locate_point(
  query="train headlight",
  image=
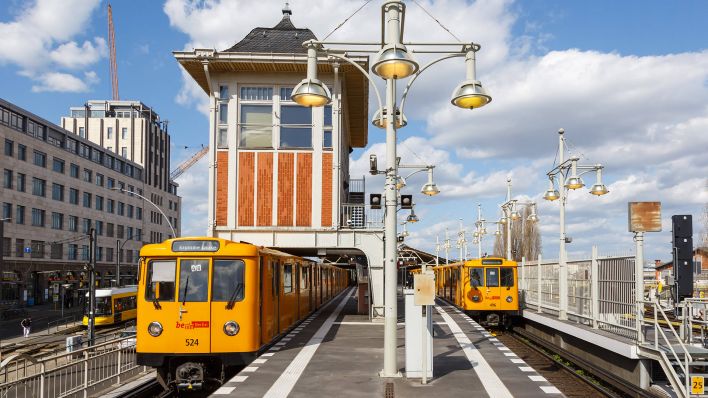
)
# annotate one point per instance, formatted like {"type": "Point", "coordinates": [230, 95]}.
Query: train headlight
{"type": "Point", "coordinates": [475, 299]}
{"type": "Point", "coordinates": [155, 329]}
{"type": "Point", "coordinates": [231, 328]}
{"type": "Point", "coordinates": [509, 299]}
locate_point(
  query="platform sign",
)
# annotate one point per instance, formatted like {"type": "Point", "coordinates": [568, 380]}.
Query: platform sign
{"type": "Point", "coordinates": [644, 216]}
{"type": "Point", "coordinates": [697, 386]}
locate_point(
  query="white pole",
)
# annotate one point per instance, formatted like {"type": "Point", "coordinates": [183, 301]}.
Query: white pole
{"type": "Point", "coordinates": [507, 213]}
{"type": "Point", "coordinates": [563, 270]}
{"type": "Point", "coordinates": [639, 282]}
{"type": "Point", "coordinates": [480, 227]}
{"type": "Point", "coordinates": [595, 288]}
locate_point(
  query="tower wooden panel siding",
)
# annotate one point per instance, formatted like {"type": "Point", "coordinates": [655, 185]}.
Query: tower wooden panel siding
{"type": "Point", "coordinates": [286, 171]}
{"type": "Point", "coordinates": [246, 163]}
{"type": "Point", "coordinates": [304, 190]}
{"type": "Point", "coordinates": [264, 192]}
{"type": "Point", "coordinates": [222, 187]}
{"type": "Point", "coordinates": [327, 189]}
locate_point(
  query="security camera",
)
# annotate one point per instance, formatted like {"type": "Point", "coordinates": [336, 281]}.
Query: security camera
{"type": "Point", "coordinates": [568, 239]}
{"type": "Point", "coordinates": [373, 165]}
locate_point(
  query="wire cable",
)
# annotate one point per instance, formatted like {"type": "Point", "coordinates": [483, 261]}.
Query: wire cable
{"type": "Point", "coordinates": [346, 19]}
{"type": "Point", "coordinates": [436, 20]}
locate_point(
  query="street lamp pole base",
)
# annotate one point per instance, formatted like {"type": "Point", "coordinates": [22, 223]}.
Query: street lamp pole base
{"type": "Point", "coordinates": [397, 375]}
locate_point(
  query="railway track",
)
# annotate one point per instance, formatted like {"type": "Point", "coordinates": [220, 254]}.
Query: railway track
{"type": "Point", "coordinates": [570, 381]}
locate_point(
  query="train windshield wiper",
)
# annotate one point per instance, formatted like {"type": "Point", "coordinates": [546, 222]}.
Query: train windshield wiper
{"type": "Point", "coordinates": [232, 300]}
{"type": "Point", "coordinates": [156, 303]}
{"type": "Point", "coordinates": [184, 292]}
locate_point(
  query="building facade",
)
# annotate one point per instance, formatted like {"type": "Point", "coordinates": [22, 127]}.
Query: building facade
{"type": "Point", "coordinates": [56, 187]}
{"type": "Point", "coordinates": [129, 129]}
{"type": "Point", "coordinates": [279, 172]}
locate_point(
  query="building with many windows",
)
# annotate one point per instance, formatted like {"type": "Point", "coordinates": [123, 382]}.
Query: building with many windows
{"type": "Point", "coordinates": [129, 129]}
{"type": "Point", "coordinates": [56, 187]}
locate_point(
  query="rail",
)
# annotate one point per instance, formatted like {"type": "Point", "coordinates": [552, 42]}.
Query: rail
{"type": "Point", "coordinates": [65, 321]}
{"type": "Point", "coordinates": [74, 373]}
{"type": "Point", "coordinates": [600, 291]}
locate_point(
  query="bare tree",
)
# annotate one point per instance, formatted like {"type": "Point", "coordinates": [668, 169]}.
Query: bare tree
{"type": "Point", "coordinates": [525, 239]}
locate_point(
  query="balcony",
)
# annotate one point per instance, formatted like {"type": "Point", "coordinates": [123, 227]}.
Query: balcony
{"type": "Point", "coordinates": [361, 216]}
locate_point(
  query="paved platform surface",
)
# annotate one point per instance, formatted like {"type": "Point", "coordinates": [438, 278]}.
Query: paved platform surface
{"type": "Point", "coordinates": [334, 353]}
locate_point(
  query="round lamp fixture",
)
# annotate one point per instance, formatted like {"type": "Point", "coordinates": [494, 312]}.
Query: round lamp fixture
{"type": "Point", "coordinates": [574, 183]}
{"type": "Point", "coordinates": [430, 189]}
{"type": "Point", "coordinates": [599, 189]}
{"type": "Point", "coordinates": [497, 233]}
{"type": "Point", "coordinates": [400, 182]}
{"type": "Point", "coordinates": [380, 119]}
{"type": "Point", "coordinates": [470, 95]}
{"type": "Point", "coordinates": [551, 194]}
{"type": "Point", "coordinates": [394, 62]}
{"type": "Point", "coordinates": [532, 217]}
{"type": "Point", "coordinates": [475, 234]}
{"type": "Point", "coordinates": [515, 215]}
{"type": "Point", "coordinates": [503, 221]}
{"type": "Point", "coordinates": [412, 217]}
{"type": "Point", "coordinates": [311, 92]}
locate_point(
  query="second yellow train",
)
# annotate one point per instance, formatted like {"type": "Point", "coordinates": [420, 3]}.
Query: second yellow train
{"type": "Point", "coordinates": [486, 289]}
{"type": "Point", "coordinates": [205, 304]}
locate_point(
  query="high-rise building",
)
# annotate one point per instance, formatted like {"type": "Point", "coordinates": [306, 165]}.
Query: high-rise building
{"type": "Point", "coordinates": [129, 129]}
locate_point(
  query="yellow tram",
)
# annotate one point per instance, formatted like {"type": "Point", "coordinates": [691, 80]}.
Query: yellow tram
{"type": "Point", "coordinates": [205, 304]}
{"type": "Point", "coordinates": [113, 305]}
{"type": "Point", "coordinates": [486, 288]}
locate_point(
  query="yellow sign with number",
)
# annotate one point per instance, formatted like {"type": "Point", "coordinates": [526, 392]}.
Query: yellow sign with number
{"type": "Point", "coordinates": [697, 386]}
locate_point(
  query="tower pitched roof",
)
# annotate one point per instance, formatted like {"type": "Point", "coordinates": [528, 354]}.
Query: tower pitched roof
{"type": "Point", "coordinates": [281, 38]}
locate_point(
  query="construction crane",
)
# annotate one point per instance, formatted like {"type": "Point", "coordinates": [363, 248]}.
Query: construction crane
{"type": "Point", "coordinates": [188, 163]}
{"type": "Point", "coordinates": [112, 47]}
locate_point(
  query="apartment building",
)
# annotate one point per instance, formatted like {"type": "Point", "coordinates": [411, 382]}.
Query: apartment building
{"type": "Point", "coordinates": [57, 186]}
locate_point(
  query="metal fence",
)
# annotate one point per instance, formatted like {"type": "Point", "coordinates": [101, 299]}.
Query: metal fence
{"type": "Point", "coordinates": [600, 291]}
{"type": "Point", "coordinates": [361, 216]}
{"type": "Point", "coordinates": [71, 374]}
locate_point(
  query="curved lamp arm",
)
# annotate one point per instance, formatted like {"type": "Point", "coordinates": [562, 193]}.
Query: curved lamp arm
{"type": "Point", "coordinates": [365, 73]}
{"type": "Point", "coordinates": [149, 201]}
{"type": "Point", "coordinates": [410, 82]}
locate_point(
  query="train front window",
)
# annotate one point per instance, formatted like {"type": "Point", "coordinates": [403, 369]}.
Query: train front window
{"type": "Point", "coordinates": [492, 277]}
{"type": "Point", "coordinates": [193, 280]}
{"type": "Point", "coordinates": [476, 277]}
{"type": "Point", "coordinates": [160, 281]}
{"type": "Point", "coordinates": [227, 281]}
{"type": "Point", "coordinates": [507, 277]}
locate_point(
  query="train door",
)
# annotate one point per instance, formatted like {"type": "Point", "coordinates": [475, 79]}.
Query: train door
{"type": "Point", "coordinates": [312, 291]}
{"type": "Point", "coordinates": [267, 298]}
{"type": "Point", "coordinates": [275, 269]}
{"type": "Point", "coordinates": [492, 290]}
{"type": "Point", "coordinates": [192, 330]}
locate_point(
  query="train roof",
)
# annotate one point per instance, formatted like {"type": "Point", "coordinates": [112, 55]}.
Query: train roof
{"type": "Point", "coordinates": [500, 261]}
{"type": "Point", "coordinates": [115, 290]}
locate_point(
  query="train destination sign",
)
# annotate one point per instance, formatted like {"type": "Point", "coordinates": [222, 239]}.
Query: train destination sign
{"type": "Point", "coordinates": [195, 246]}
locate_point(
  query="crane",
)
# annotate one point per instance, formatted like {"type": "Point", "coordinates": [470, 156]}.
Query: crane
{"type": "Point", "coordinates": [112, 47]}
{"type": "Point", "coordinates": [188, 163]}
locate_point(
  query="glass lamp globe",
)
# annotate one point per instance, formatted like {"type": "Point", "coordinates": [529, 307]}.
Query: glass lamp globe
{"type": "Point", "coordinates": [430, 189]}
{"type": "Point", "coordinates": [574, 183]}
{"type": "Point", "coordinates": [311, 92]}
{"type": "Point", "coordinates": [394, 62]}
{"type": "Point", "coordinates": [551, 194]}
{"type": "Point", "coordinates": [470, 95]}
{"type": "Point", "coordinates": [599, 189]}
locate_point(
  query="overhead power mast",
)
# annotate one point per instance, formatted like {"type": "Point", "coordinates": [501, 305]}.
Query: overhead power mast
{"type": "Point", "coordinates": [112, 48]}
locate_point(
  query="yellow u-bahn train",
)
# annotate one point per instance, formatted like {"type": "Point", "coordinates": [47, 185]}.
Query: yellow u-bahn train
{"type": "Point", "coordinates": [486, 289]}
{"type": "Point", "coordinates": [113, 305]}
{"type": "Point", "coordinates": [205, 304]}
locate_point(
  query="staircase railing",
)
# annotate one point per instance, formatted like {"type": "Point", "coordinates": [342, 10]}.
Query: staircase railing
{"type": "Point", "coordinates": [667, 361]}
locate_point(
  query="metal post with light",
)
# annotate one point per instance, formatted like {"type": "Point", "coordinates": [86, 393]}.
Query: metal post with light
{"type": "Point", "coordinates": [510, 210]}
{"type": "Point", "coordinates": [392, 62]}
{"type": "Point", "coordinates": [481, 230]}
{"type": "Point", "coordinates": [123, 190]}
{"type": "Point", "coordinates": [566, 172]}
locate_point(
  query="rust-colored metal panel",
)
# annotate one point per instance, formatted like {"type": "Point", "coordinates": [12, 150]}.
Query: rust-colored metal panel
{"type": "Point", "coordinates": [303, 216]}
{"type": "Point", "coordinates": [264, 196]}
{"type": "Point", "coordinates": [326, 189]}
{"type": "Point", "coordinates": [644, 216]}
{"type": "Point", "coordinates": [246, 170]}
{"type": "Point", "coordinates": [286, 170]}
{"type": "Point", "coordinates": [222, 187]}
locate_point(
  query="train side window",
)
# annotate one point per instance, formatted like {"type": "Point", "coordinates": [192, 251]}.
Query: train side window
{"type": "Point", "coordinates": [492, 277]}
{"type": "Point", "coordinates": [304, 278]}
{"type": "Point", "coordinates": [507, 277]}
{"type": "Point", "coordinates": [227, 280]}
{"type": "Point", "coordinates": [287, 278]}
{"type": "Point", "coordinates": [193, 280]}
{"type": "Point", "coordinates": [160, 280]}
{"type": "Point", "coordinates": [476, 277]}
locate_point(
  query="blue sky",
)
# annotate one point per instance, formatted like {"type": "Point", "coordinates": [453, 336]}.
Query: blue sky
{"type": "Point", "coordinates": [627, 80]}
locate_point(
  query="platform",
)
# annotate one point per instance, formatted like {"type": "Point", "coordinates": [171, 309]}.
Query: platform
{"type": "Point", "coordinates": [335, 353]}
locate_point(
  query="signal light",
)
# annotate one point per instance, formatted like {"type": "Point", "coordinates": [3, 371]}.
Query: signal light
{"type": "Point", "coordinates": [406, 201]}
{"type": "Point", "coordinates": [375, 200]}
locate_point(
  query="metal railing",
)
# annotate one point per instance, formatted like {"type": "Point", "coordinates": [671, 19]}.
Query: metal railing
{"type": "Point", "coordinates": [357, 184]}
{"type": "Point", "coordinates": [65, 321]}
{"type": "Point", "coordinates": [75, 373]}
{"type": "Point", "coordinates": [361, 216]}
{"type": "Point", "coordinates": [600, 291]}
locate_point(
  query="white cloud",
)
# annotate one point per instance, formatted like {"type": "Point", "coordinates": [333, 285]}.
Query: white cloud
{"type": "Point", "coordinates": [38, 42]}
{"type": "Point", "coordinates": [192, 189]}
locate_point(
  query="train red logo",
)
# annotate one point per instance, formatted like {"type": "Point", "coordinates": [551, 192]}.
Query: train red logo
{"type": "Point", "coordinates": [192, 325]}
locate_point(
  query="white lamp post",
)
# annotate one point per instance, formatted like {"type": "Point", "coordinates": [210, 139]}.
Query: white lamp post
{"type": "Point", "coordinates": [510, 209]}
{"type": "Point", "coordinates": [566, 172]}
{"type": "Point", "coordinates": [392, 61]}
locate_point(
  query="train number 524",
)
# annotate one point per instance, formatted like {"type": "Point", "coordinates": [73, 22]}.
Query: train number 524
{"type": "Point", "coordinates": [191, 342]}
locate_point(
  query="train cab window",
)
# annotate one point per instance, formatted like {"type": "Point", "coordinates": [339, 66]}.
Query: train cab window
{"type": "Point", "coordinates": [507, 277]}
{"type": "Point", "coordinates": [160, 280]}
{"type": "Point", "coordinates": [287, 278]}
{"type": "Point", "coordinates": [193, 280]}
{"type": "Point", "coordinates": [492, 277]}
{"type": "Point", "coordinates": [476, 277]}
{"type": "Point", "coordinates": [227, 281]}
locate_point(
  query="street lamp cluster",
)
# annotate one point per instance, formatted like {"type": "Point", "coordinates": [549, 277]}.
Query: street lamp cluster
{"type": "Point", "coordinates": [510, 213]}
{"type": "Point", "coordinates": [392, 61]}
